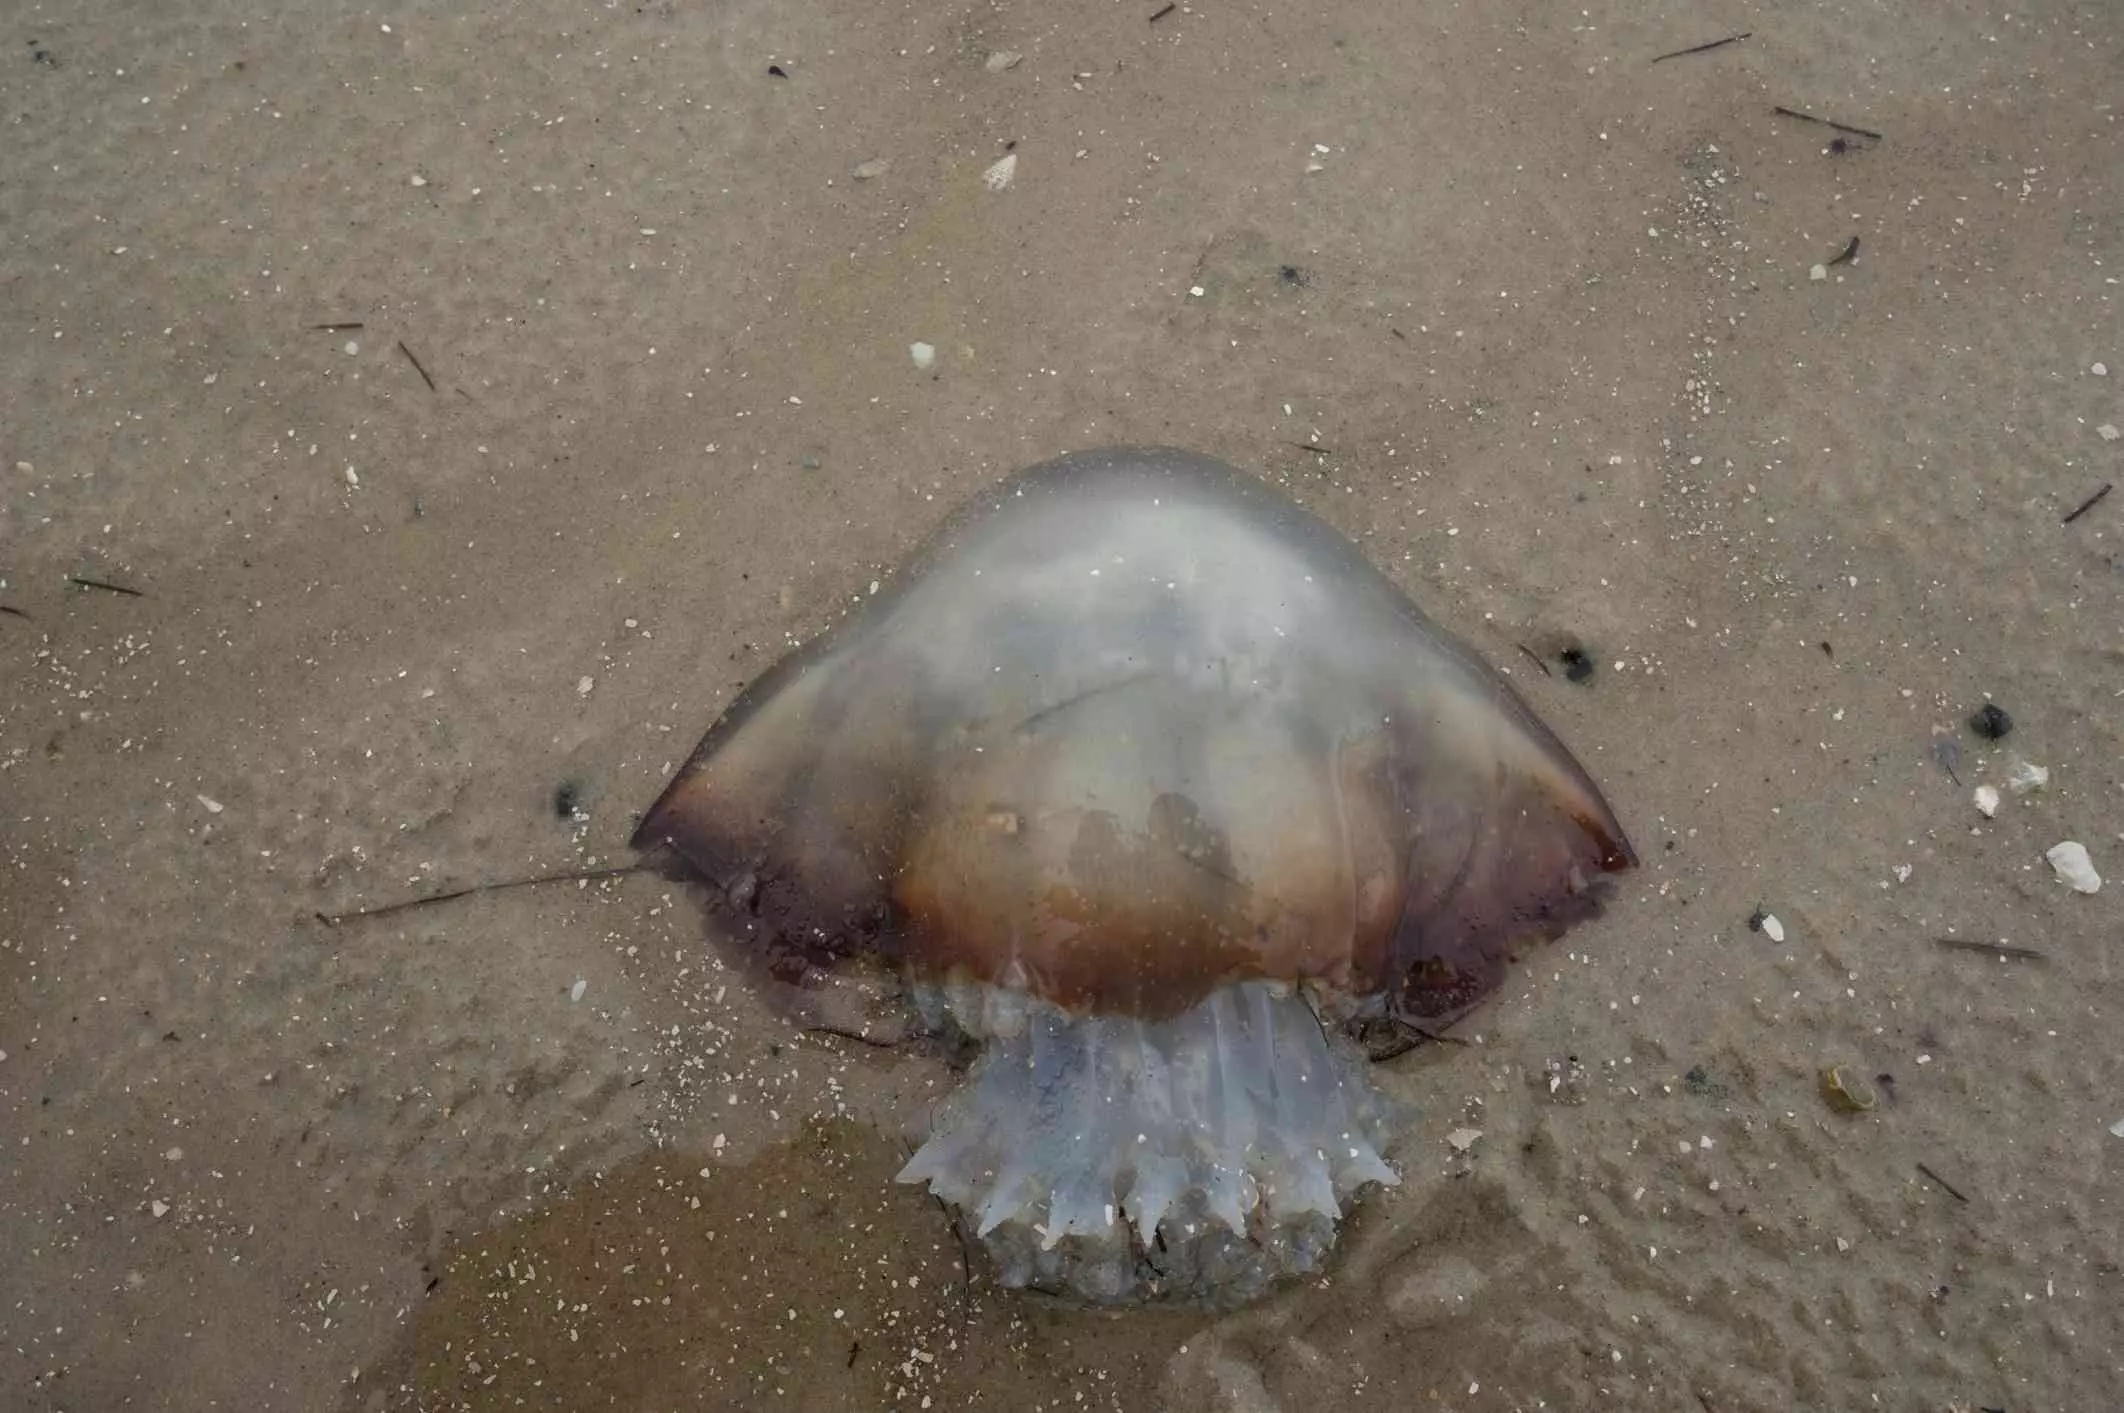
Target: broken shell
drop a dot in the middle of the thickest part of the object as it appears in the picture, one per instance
(1847, 1092)
(2073, 865)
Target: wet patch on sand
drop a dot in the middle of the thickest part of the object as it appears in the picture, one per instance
(805, 1279)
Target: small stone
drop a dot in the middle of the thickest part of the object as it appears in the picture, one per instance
(353, 479)
(1462, 1139)
(2074, 866)
(353, 348)
(575, 992)
(999, 176)
(924, 356)
(159, 1208)
(873, 169)
(1819, 272)
(2100, 370)
(1196, 291)
(2117, 1128)
(2108, 432)
(211, 806)
(2022, 778)
(583, 686)
(24, 467)
(1003, 60)
(174, 1154)
(418, 180)
(1987, 801)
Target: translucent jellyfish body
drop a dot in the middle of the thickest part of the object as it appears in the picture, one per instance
(1148, 781)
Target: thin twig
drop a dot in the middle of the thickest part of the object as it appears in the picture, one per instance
(416, 365)
(1703, 48)
(408, 904)
(2090, 503)
(87, 583)
(1161, 13)
(1315, 448)
(1785, 112)
(338, 328)
(1848, 254)
(1996, 949)
(1945, 1186)
(876, 1042)
(1535, 658)
(12, 612)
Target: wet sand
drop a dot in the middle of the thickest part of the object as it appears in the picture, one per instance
(1527, 315)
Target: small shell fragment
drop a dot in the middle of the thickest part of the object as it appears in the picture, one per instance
(873, 169)
(1462, 1139)
(1987, 801)
(1847, 1092)
(923, 354)
(2023, 777)
(2074, 866)
(1002, 174)
(575, 992)
(1772, 928)
(1002, 60)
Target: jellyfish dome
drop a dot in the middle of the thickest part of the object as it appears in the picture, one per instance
(1148, 782)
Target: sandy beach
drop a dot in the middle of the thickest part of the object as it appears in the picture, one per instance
(417, 422)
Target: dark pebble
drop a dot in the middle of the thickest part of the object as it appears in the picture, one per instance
(1990, 722)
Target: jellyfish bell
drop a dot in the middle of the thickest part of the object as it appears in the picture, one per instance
(1149, 782)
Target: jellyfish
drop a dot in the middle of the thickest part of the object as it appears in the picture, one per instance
(1146, 785)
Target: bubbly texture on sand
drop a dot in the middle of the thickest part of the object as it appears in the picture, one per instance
(1147, 778)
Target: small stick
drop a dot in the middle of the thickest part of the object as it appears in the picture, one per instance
(1945, 1186)
(12, 612)
(1535, 658)
(416, 365)
(107, 588)
(338, 328)
(1785, 112)
(2090, 503)
(1848, 254)
(1162, 12)
(1704, 48)
(1996, 949)
(876, 1042)
(1315, 448)
(408, 904)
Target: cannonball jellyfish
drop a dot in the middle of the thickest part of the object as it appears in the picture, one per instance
(1148, 782)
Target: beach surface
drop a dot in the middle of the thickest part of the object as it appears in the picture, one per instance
(418, 421)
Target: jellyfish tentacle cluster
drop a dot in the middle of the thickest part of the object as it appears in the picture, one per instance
(1147, 780)
(1204, 1154)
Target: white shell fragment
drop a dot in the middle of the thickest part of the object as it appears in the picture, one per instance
(1002, 174)
(2024, 777)
(1462, 1139)
(1002, 60)
(575, 992)
(2074, 866)
(1987, 801)
(923, 354)
(873, 169)
(1772, 928)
